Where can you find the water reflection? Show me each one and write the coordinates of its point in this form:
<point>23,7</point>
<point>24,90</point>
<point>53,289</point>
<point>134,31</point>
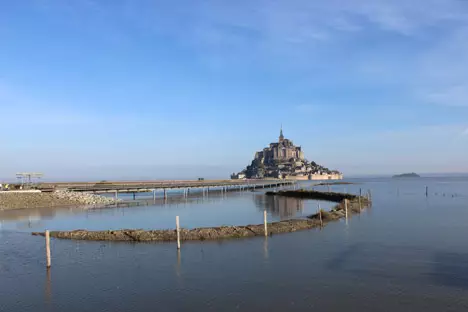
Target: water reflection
<point>48,287</point>
<point>27,218</point>
<point>280,206</point>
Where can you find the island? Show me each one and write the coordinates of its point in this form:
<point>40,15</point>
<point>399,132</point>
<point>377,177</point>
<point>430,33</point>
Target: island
<point>407,175</point>
<point>284,160</point>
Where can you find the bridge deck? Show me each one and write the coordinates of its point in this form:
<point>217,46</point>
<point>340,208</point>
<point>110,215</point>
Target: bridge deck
<point>146,186</point>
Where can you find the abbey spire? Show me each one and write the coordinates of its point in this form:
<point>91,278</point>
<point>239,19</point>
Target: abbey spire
<point>281,136</point>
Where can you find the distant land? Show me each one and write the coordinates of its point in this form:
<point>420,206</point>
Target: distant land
<point>407,175</point>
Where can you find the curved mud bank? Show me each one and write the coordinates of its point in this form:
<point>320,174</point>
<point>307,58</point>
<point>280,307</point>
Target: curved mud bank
<point>310,194</point>
<point>223,232</point>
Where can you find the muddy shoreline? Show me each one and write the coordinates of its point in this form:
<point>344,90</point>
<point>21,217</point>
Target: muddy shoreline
<point>355,205</point>
<point>27,200</point>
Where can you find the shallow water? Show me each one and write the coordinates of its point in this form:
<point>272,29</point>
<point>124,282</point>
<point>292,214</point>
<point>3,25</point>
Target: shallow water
<point>406,253</point>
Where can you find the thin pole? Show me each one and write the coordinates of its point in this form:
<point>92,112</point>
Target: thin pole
<point>265,222</point>
<point>360,192</point>
<point>178,231</point>
<point>426,191</point>
<point>47,238</point>
<point>154,195</point>
<point>346,208</point>
<point>360,207</point>
<point>320,215</point>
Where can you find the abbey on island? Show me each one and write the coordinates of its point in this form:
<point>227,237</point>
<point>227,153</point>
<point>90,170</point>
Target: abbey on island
<point>284,160</point>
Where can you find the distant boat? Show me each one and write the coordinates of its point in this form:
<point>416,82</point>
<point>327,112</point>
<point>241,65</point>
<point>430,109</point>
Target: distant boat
<point>407,175</point>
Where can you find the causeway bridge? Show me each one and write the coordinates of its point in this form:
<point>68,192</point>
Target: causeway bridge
<point>184,186</point>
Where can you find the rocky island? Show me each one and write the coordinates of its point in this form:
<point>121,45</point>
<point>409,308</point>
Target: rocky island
<point>284,160</point>
<point>407,175</point>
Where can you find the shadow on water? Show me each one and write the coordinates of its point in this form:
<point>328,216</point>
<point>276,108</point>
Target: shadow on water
<point>344,256</point>
<point>451,269</point>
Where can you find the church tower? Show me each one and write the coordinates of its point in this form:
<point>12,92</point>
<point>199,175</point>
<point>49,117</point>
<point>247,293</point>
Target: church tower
<point>281,136</point>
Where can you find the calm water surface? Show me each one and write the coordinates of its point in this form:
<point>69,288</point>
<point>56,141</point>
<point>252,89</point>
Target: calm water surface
<point>406,253</point>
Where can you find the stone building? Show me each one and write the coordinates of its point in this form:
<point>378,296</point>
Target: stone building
<point>283,150</point>
<point>284,160</point>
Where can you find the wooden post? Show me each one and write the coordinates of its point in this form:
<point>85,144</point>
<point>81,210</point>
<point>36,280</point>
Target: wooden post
<point>265,222</point>
<point>360,207</point>
<point>178,231</point>
<point>154,195</point>
<point>346,208</point>
<point>165,194</point>
<point>426,191</point>
<point>47,238</point>
<point>320,215</point>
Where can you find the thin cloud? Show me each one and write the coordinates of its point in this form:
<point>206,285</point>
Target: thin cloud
<point>452,96</point>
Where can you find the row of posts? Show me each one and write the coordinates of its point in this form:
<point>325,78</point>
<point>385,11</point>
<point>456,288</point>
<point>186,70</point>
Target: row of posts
<point>186,193</point>
<point>206,191</point>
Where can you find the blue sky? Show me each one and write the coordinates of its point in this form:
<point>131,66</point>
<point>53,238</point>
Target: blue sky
<point>178,89</point>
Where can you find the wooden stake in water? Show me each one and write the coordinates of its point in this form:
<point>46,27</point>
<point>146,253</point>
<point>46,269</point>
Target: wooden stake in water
<point>320,215</point>
<point>178,231</point>
<point>47,239</point>
<point>265,222</point>
<point>426,191</point>
<point>346,208</point>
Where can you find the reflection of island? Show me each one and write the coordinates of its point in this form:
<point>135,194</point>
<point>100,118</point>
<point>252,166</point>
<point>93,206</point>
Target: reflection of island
<point>284,207</point>
<point>407,175</point>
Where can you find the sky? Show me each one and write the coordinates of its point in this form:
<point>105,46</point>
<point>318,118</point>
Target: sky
<point>132,89</point>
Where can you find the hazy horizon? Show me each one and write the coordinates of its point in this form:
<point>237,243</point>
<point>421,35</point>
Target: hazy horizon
<point>182,89</point>
<point>189,173</point>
